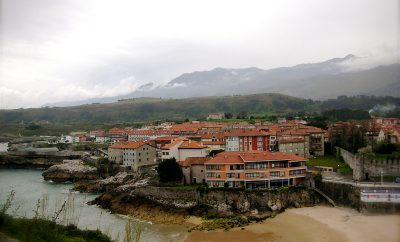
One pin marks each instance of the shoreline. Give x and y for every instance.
(311, 224)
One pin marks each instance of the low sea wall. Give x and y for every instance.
(349, 195)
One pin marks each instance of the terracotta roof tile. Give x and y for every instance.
(128, 145)
(188, 144)
(228, 157)
(194, 161)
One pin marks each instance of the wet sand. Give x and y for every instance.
(313, 224)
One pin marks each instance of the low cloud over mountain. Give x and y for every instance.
(350, 75)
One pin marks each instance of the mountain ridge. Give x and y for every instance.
(303, 80)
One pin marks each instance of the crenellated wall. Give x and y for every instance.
(363, 165)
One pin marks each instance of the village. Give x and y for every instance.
(231, 154)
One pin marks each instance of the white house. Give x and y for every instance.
(182, 149)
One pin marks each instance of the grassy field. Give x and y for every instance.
(330, 161)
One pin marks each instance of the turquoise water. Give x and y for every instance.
(29, 186)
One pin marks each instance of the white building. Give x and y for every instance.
(218, 115)
(181, 149)
(103, 139)
(134, 154)
(65, 139)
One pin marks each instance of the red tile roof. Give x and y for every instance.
(213, 135)
(189, 161)
(213, 142)
(128, 145)
(229, 157)
(244, 132)
(118, 131)
(173, 143)
(188, 144)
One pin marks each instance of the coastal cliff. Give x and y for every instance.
(172, 204)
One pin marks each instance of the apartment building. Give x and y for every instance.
(214, 141)
(255, 169)
(133, 154)
(296, 146)
(313, 137)
(246, 140)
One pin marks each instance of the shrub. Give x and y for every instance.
(385, 148)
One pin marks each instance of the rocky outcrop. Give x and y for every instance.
(175, 200)
(70, 170)
(15, 161)
(35, 158)
(107, 184)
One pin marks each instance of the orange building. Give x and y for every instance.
(255, 169)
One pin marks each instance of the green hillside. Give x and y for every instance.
(145, 109)
(138, 110)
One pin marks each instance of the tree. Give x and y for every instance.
(385, 147)
(349, 136)
(318, 121)
(242, 115)
(169, 171)
(228, 115)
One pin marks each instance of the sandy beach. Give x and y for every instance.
(312, 224)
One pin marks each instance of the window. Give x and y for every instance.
(230, 175)
(277, 173)
(252, 175)
(213, 175)
(213, 167)
(297, 172)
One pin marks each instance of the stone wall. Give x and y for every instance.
(363, 165)
(342, 194)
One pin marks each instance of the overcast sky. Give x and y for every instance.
(53, 50)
